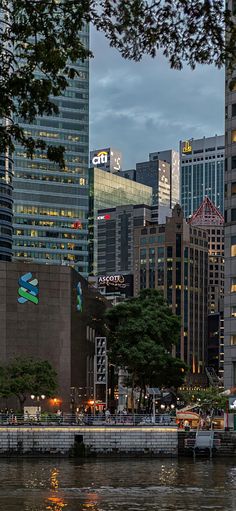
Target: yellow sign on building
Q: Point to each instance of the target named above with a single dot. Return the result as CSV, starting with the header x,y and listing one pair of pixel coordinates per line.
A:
x,y
187,148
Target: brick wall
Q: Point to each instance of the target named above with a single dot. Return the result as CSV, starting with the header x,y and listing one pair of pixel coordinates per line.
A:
x,y
101,441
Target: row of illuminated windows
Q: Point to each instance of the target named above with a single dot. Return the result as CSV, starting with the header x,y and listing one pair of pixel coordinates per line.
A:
x,y
63,223
59,134
39,244
33,210
43,156
51,178
48,257
50,168
49,234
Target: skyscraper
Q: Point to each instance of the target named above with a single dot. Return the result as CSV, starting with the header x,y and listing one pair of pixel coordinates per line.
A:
x,y
230,225
6,208
201,173
209,217
50,203
173,257
108,190
172,157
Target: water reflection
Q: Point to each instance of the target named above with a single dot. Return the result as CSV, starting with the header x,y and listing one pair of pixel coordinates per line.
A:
x,y
126,485
55,504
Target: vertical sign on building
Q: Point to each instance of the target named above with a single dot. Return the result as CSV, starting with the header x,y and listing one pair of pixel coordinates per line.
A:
x,y
101,360
100,365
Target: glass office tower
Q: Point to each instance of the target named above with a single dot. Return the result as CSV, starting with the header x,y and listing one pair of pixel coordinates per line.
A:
x,y
6,203
107,190
50,203
202,173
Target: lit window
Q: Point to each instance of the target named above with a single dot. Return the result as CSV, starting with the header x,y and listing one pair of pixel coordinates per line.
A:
x,y
233,285
233,340
233,311
233,135
233,246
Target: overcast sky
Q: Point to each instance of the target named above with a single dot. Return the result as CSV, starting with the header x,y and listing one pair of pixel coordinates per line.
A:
x,y
143,107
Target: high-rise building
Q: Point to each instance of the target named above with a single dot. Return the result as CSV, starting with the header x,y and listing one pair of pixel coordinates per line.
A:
x,y
230,225
172,157
156,174
108,159
116,237
6,208
201,173
108,190
51,203
173,257
209,217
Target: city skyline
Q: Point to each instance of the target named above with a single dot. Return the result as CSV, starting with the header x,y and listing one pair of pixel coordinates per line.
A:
x,y
145,107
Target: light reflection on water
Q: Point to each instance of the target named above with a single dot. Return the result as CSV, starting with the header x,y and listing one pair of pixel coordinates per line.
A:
x,y
118,485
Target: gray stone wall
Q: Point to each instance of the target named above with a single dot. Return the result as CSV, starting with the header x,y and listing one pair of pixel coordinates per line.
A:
x,y
100,441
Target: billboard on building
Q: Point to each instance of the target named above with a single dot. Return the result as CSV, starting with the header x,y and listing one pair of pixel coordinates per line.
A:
x,y
117,283
106,159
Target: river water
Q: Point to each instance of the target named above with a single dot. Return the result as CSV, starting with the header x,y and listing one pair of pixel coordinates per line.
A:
x,y
126,485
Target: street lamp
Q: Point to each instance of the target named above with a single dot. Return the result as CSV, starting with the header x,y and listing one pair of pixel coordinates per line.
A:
x,y
37,398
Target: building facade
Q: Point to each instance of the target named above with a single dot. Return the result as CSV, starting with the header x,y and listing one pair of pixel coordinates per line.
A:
x,y
174,258
230,226
156,174
108,159
209,217
57,322
6,208
172,157
116,237
108,190
51,203
202,173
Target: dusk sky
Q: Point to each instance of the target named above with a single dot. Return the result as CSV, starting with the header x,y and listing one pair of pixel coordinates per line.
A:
x,y
143,107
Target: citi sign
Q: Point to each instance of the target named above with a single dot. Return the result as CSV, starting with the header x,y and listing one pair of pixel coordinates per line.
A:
x,y
100,158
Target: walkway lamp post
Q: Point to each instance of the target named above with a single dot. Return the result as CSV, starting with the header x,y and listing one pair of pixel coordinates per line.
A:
x,y
37,399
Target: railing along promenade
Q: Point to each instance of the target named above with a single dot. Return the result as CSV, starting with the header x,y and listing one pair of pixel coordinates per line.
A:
x,y
87,420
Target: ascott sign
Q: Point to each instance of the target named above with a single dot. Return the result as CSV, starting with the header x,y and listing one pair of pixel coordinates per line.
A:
x,y
123,283
112,280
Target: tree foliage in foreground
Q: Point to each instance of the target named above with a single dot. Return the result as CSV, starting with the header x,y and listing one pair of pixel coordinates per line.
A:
x,y
41,40
206,399
141,333
25,376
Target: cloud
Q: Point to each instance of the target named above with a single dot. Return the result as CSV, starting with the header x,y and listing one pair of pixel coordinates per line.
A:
x,y
146,106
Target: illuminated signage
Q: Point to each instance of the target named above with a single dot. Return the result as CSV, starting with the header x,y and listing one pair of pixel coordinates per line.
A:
x,y
77,225
111,280
117,165
79,303
187,148
103,217
28,290
100,158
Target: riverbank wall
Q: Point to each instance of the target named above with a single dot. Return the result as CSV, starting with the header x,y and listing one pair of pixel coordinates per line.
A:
x,y
224,443
102,441
107,441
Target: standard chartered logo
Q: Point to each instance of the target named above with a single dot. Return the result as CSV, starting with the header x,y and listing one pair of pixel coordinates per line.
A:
x,y
28,289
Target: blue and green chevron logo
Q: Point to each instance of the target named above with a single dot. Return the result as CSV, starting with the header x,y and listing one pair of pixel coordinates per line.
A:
x,y
28,289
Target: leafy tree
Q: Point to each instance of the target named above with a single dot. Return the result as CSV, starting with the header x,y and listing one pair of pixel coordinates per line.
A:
x,y
25,376
210,397
141,333
41,40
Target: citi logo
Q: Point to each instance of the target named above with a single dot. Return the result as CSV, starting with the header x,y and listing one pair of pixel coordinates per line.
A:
x,y
28,289
100,158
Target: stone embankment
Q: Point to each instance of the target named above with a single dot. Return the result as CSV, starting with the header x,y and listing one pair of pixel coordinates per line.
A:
x,y
149,441
107,441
